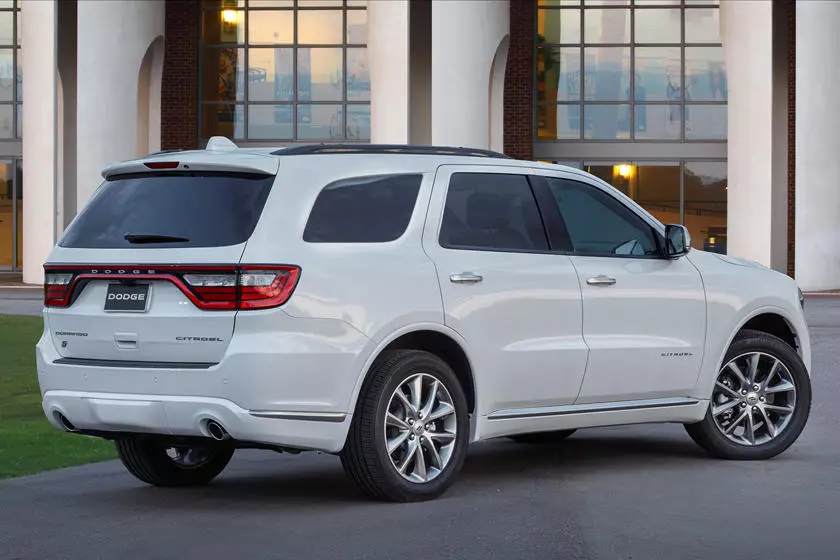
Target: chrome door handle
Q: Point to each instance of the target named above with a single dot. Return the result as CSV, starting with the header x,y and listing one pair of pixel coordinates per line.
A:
x,y
600,280
465,278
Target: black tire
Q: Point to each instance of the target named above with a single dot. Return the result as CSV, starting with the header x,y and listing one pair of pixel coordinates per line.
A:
x,y
147,460
707,435
555,436
365,457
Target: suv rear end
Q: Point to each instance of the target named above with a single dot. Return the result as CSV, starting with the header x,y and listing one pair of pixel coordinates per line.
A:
x,y
156,323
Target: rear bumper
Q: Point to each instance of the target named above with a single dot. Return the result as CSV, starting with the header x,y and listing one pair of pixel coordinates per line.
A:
x,y
188,416
281,382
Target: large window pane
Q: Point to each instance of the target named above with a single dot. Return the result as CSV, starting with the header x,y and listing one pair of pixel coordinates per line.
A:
x,y
657,189
558,74
558,122
222,27
7,24
658,74
222,74
320,27
658,122
606,122
7,121
607,26
702,25
223,120
358,75
271,27
358,122
7,208
271,3
270,122
357,27
7,75
658,26
704,188
559,26
270,75
320,122
705,122
607,73
705,74
319,74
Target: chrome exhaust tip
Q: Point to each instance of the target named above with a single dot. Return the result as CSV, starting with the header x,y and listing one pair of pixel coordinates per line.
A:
x,y
66,425
216,431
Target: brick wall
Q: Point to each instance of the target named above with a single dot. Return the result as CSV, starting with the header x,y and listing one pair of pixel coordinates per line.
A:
x,y
791,155
179,90
519,81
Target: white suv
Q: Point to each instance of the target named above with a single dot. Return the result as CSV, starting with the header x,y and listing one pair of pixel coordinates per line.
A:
x,y
393,304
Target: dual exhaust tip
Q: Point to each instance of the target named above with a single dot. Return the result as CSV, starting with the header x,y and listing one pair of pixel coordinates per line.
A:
x,y
214,429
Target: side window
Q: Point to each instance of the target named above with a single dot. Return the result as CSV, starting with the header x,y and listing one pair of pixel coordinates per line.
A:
x,y
372,209
492,211
599,224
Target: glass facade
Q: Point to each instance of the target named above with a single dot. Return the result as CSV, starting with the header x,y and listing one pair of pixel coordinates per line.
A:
x,y
11,97
647,73
284,70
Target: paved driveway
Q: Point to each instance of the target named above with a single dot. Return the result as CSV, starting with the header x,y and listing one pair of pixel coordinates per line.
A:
x,y
643,493
21,301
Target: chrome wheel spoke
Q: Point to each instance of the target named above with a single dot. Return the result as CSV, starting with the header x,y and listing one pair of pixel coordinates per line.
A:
x,y
406,404
442,411
780,409
735,423
728,390
773,371
396,422
718,410
434,456
750,429
771,428
783,387
733,367
442,437
430,400
395,443
416,388
409,455
751,373
420,464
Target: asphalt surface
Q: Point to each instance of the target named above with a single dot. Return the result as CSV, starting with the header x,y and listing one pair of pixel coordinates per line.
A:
x,y
21,301
644,492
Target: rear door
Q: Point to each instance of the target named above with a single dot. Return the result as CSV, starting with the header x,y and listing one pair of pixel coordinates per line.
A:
x,y
514,298
146,272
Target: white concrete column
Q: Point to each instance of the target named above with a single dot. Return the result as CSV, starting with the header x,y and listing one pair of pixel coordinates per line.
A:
x,y
38,38
466,37
388,59
817,145
114,37
757,219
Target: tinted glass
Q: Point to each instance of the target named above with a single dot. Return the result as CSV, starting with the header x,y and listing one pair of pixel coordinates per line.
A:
x,y
598,224
492,211
363,209
210,210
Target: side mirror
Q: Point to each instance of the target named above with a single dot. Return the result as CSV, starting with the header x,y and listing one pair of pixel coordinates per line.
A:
x,y
677,241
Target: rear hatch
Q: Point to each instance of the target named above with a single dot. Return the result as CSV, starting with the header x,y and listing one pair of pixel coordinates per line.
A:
x,y
149,270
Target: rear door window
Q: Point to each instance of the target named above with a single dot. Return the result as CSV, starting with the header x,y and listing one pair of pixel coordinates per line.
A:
x,y
170,210
492,212
373,209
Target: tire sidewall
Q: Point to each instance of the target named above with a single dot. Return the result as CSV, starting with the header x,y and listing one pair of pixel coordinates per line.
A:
x,y
421,362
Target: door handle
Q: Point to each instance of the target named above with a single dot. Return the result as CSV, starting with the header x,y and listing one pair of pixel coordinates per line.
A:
x,y
465,278
600,280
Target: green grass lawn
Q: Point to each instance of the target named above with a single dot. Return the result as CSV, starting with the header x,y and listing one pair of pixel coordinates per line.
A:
x,y
28,442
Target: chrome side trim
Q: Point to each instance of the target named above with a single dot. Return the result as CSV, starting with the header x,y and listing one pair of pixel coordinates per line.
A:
x,y
587,408
305,416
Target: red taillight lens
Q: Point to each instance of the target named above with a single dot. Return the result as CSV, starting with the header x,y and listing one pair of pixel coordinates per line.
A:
x,y
57,287
162,164
261,288
216,291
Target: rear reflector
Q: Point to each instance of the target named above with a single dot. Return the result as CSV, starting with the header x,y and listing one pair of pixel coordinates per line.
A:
x,y
210,288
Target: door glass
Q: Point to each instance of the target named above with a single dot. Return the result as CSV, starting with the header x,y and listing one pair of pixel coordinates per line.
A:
x,y
705,204
493,212
599,224
7,236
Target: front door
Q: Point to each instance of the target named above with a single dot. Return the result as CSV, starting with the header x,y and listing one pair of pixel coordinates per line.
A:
x,y
515,301
644,316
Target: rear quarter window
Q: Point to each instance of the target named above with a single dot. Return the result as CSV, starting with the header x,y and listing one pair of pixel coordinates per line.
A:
x,y
373,209
203,209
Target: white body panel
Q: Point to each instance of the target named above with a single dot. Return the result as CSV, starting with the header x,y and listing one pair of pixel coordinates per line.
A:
x,y
546,350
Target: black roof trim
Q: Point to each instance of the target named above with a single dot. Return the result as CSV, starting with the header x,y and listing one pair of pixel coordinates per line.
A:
x,y
385,149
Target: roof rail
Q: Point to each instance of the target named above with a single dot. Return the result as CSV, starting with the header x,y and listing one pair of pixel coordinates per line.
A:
x,y
385,149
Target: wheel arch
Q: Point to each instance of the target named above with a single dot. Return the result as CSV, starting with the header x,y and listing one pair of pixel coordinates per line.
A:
x,y
771,320
435,338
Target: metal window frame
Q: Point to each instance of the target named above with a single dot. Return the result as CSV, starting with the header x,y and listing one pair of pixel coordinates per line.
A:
x,y
294,104
11,154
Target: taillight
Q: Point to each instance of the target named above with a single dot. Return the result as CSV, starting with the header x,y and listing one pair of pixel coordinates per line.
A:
x,y
216,291
57,288
261,288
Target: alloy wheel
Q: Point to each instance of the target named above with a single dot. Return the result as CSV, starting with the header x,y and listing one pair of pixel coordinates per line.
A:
x,y
754,399
420,428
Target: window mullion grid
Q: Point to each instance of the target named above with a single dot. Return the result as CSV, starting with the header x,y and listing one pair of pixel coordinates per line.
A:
x,y
294,100
345,115
582,70
246,49
682,75
631,118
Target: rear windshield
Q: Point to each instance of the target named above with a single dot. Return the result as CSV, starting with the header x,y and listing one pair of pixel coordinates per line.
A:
x,y
171,210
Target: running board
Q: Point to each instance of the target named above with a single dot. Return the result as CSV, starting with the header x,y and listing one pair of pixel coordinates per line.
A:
x,y
550,411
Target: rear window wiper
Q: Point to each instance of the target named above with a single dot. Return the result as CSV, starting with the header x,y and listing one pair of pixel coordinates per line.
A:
x,y
153,238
